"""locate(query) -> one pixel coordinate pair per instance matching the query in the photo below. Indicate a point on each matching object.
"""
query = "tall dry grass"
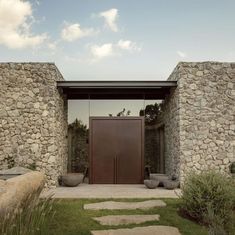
(32, 218)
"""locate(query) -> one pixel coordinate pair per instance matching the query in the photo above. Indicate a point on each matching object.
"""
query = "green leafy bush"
(208, 196)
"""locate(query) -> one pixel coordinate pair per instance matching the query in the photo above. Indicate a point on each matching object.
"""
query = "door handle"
(114, 168)
(115, 162)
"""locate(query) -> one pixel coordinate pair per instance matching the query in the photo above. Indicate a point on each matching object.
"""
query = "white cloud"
(128, 45)
(72, 59)
(52, 46)
(182, 54)
(15, 22)
(110, 18)
(112, 49)
(72, 32)
(102, 51)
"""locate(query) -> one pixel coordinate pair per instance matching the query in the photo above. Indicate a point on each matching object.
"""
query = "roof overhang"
(116, 89)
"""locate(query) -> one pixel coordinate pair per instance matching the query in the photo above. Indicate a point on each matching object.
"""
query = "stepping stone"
(112, 205)
(149, 230)
(125, 219)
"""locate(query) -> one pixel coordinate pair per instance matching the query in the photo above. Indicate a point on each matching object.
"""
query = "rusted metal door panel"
(129, 151)
(102, 151)
(116, 150)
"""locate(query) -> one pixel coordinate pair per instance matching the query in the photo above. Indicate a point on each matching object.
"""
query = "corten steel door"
(116, 150)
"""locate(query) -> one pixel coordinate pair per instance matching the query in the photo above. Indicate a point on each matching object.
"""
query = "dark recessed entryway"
(116, 150)
(115, 130)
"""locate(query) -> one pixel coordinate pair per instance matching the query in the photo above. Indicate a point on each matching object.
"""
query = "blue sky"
(117, 40)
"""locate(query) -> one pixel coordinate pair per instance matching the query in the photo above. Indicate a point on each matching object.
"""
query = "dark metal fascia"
(116, 84)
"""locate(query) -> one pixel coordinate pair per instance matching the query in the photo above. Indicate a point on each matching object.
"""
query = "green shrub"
(32, 219)
(216, 226)
(207, 197)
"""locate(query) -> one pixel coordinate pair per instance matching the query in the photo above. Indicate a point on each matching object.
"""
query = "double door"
(116, 150)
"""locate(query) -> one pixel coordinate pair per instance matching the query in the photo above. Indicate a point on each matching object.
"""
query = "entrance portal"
(116, 150)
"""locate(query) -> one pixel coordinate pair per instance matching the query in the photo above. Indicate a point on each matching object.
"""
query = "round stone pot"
(170, 184)
(151, 184)
(72, 179)
(159, 177)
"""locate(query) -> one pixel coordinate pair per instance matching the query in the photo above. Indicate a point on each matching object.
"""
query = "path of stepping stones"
(114, 220)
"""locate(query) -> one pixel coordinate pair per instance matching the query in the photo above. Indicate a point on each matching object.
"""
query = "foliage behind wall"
(78, 146)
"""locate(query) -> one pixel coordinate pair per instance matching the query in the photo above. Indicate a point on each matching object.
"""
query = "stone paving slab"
(112, 205)
(125, 219)
(111, 191)
(149, 230)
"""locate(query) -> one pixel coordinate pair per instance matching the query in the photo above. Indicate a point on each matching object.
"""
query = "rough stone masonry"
(33, 119)
(198, 117)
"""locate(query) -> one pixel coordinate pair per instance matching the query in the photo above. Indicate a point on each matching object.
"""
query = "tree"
(78, 146)
(151, 113)
(78, 126)
(122, 113)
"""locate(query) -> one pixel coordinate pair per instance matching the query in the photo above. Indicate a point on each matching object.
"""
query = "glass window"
(116, 107)
(154, 152)
(78, 124)
(78, 109)
(79, 112)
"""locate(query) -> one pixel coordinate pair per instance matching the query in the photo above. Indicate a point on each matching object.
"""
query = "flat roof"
(116, 89)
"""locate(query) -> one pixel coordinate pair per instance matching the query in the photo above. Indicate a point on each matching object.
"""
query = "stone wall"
(33, 119)
(200, 115)
(170, 119)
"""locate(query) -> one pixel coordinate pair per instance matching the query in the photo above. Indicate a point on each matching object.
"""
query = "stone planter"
(159, 177)
(170, 184)
(72, 179)
(151, 184)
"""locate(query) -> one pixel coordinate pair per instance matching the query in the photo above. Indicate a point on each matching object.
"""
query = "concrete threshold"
(111, 191)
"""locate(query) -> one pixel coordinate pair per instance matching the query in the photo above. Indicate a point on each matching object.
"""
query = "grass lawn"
(71, 219)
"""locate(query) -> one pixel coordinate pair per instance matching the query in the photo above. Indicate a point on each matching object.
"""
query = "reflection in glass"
(78, 120)
(79, 112)
(78, 109)
(114, 108)
(154, 137)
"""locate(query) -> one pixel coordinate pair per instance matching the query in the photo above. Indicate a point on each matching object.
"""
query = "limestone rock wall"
(205, 118)
(33, 119)
(170, 118)
(198, 117)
